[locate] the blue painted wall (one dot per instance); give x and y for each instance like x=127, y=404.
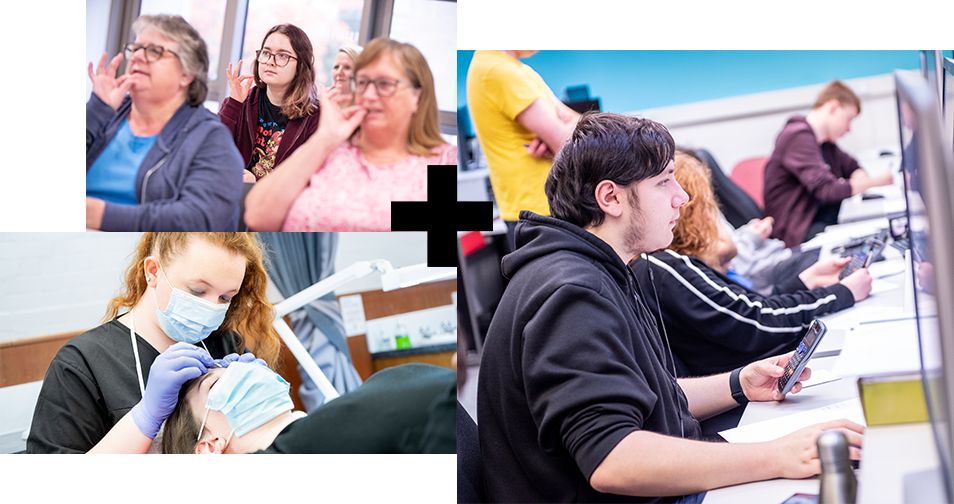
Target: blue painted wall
x=634, y=80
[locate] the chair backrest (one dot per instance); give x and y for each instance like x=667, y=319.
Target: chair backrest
x=470, y=476
x=738, y=207
x=749, y=175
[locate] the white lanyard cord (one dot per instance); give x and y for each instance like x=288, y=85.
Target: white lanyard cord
x=132, y=337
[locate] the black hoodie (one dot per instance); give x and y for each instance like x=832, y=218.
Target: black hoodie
x=572, y=364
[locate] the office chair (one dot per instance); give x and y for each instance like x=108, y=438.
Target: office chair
x=749, y=175
x=470, y=476
x=738, y=207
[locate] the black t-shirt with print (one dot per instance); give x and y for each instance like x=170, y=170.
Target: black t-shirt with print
x=271, y=127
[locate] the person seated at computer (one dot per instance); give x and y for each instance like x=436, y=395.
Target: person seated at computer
x=808, y=176
x=156, y=159
x=275, y=117
x=246, y=408
x=714, y=323
x=362, y=157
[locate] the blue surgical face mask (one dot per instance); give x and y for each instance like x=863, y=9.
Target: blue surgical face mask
x=249, y=395
x=187, y=318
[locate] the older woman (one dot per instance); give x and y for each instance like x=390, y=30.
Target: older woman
x=342, y=71
x=157, y=159
x=269, y=121
x=345, y=180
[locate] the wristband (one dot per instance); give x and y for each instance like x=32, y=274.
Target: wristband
x=735, y=386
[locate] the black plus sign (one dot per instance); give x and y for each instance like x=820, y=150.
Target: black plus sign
x=442, y=216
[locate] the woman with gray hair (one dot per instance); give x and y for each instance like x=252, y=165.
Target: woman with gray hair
x=156, y=159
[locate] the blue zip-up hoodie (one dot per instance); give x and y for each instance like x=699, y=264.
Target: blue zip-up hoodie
x=191, y=179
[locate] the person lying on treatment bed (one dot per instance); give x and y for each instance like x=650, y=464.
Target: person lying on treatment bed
x=246, y=408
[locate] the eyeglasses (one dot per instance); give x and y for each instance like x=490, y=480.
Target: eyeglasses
x=281, y=59
x=385, y=87
x=153, y=52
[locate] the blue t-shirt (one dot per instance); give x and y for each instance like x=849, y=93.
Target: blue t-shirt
x=113, y=175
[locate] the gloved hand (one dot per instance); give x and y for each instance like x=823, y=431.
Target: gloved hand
x=234, y=357
x=178, y=364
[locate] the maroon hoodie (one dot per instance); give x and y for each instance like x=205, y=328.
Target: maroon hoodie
x=797, y=179
x=241, y=118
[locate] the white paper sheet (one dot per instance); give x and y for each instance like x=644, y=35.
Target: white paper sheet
x=820, y=376
x=777, y=427
x=887, y=347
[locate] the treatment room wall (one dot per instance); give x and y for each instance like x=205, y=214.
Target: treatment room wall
x=59, y=282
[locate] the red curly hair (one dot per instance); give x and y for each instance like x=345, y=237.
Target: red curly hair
x=697, y=229
x=249, y=314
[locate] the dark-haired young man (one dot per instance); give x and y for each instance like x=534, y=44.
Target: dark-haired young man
x=576, y=397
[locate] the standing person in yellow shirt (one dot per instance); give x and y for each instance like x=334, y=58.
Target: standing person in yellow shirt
x=520, y=125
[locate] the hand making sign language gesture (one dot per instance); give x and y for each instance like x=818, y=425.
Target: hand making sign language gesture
x=239, y=86
x=106, y=86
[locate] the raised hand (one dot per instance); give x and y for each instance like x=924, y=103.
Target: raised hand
x=239, y=86
x=105, y=84
x=336, y=124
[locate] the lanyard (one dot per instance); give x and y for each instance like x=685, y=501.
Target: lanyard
x=132, y=337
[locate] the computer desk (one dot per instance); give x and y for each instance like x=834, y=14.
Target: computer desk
x=889, y=453
x=891, y=200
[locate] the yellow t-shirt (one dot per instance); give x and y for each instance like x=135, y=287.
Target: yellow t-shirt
x=499, y=87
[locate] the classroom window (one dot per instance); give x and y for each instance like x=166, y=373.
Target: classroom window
x=328, y=23
x=206, y=16
x=424, y=23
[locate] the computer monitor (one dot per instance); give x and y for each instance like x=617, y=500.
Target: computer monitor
x=931, y=69
x=466, y=151
x=947, y=100
x=928, y=171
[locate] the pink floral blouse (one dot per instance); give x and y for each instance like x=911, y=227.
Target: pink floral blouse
x=347, y=193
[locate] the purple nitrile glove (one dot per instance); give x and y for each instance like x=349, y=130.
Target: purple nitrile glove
x=234, y=357
x=178, y=364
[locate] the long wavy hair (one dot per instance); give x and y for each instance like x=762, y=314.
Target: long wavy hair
x=302, y=97
x=249, y=314
x=697, y=229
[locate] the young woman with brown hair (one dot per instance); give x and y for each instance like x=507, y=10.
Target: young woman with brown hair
x=275, y=117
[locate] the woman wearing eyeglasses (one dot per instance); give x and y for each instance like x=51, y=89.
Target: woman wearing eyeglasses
x=363, y=156
x=156, y=159
x=275, y=117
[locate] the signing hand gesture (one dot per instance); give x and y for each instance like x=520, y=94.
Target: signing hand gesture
x=239, y=86
x=336, y=124
x=105, y=84
x=760, y=379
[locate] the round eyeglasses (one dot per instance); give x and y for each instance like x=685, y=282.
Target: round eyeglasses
x=281, y=59
x=153, y=53
x=385, y=87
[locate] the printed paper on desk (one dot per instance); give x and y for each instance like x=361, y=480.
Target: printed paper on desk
x=878, y=286
x=886, y=268
x=850, y=319
x=873, y=349
x=820, y=376
x=777, y=427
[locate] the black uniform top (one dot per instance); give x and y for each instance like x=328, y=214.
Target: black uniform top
x=404, y=409
x=92, y=382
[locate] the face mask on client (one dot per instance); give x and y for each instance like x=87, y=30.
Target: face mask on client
x=187, y=318
x=249, y=395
